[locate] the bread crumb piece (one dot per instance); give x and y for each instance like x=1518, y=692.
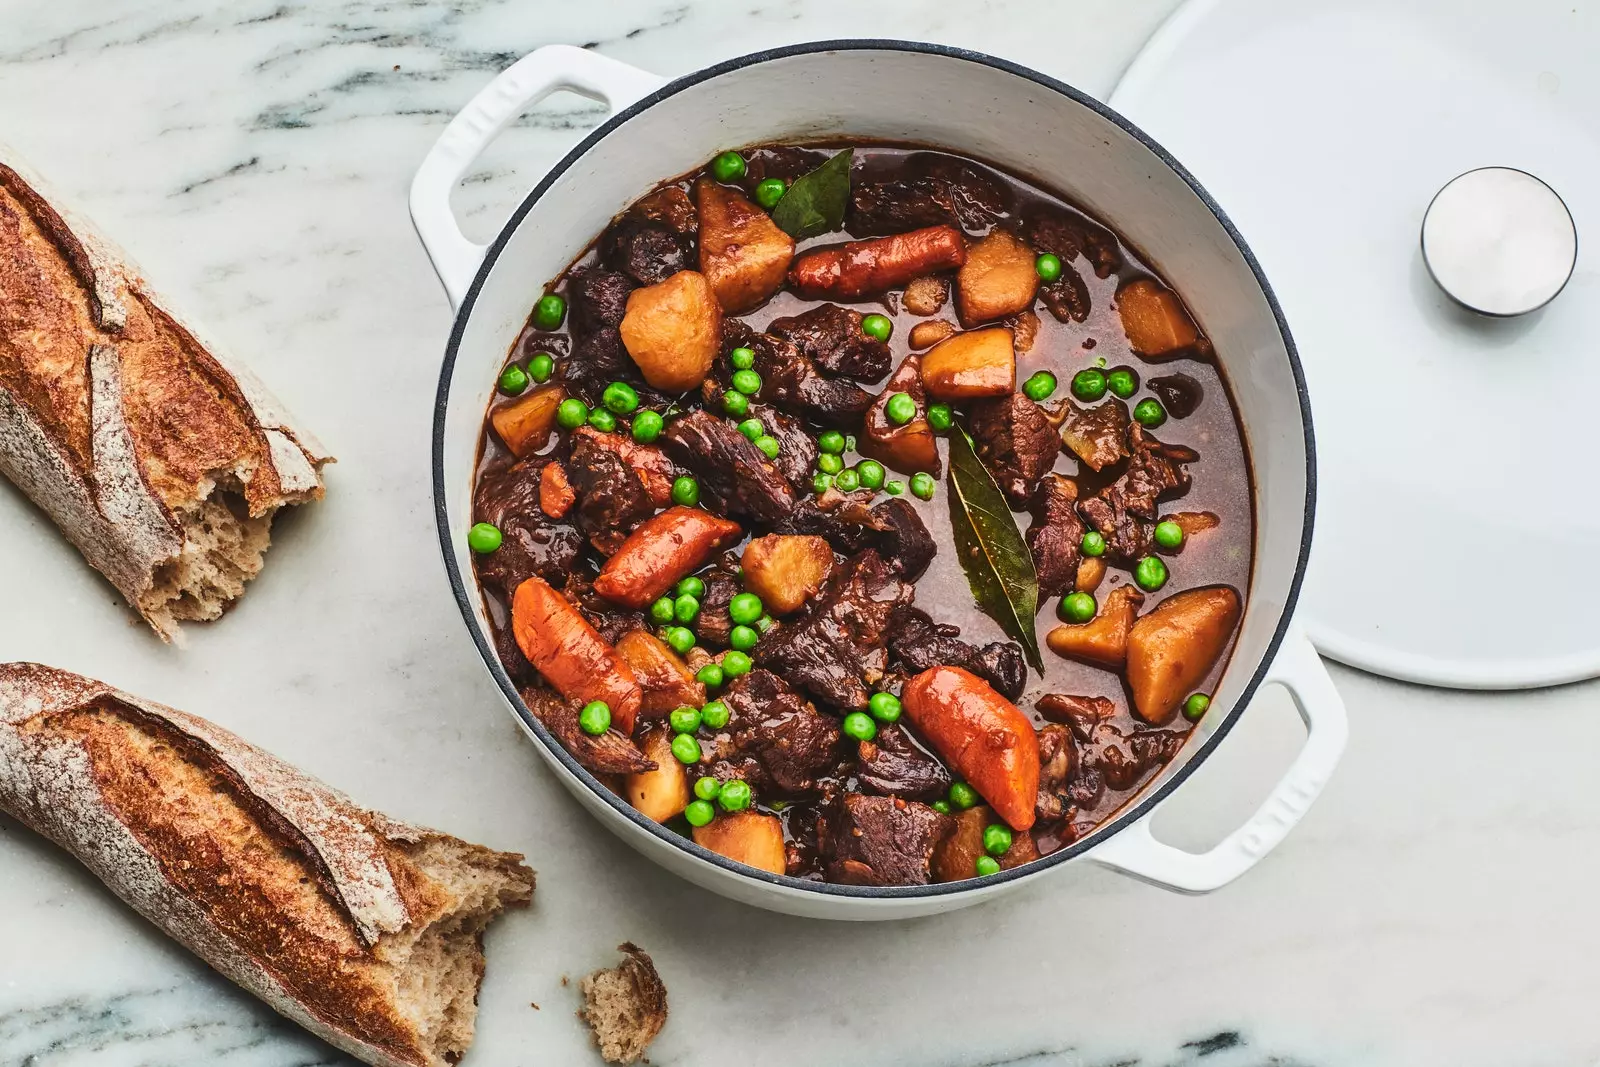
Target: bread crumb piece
x=625, y=1007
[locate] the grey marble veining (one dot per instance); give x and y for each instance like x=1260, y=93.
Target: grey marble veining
x=254, y=157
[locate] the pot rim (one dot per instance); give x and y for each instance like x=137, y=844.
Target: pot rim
x=463, y=594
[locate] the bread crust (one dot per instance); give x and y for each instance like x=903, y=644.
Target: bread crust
x=316, y=905
x=118, y=419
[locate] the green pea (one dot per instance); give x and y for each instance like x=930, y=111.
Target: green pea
x=661, y=611
x=684, y=720
x=986, y=865
x=885, y=707
x=572, y=413
x=1149, y=412
x=715, y=714
x=735, y=663
x=595, y=718
x=647, y=426
x=831, y=442
x=1168, y=534
x=1039, y=386
x=1094, y=543
x=541, y=366
x=996, y=839
x=941, y=418
x=847, y=480
x=870, y=472
x=602, y=420
x=1122, y=382
x=691, y=586
x=620, y=398
x=895, y=487
x=685, y=491
x=859, y=726
x=828, y=463
x=710, y=676
x=735, y=796
x=768, y=445
x=1077, y=607
x=735, y=403
x=747, y=382
x=769, y=191
x=728, y=167
x=686, y=748
x=742, y=639
x=707, y=788
x=878, y=327
x=1150, y=574
x=821, y=484
x=680, y=639
x=1089, y=384
x=513, y=380
x=900, y=409
x=549, y=311
x=745, y=608
x=484, y=538
x=699, y=812
x=742, y=358
x=963, y=796
x=752, y=429
x=922, y=485
x=685, y=608
x=1195, y=707
x=1047, y=267
x=941, y=806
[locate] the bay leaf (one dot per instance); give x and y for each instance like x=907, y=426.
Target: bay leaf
x=996, y=559
x=816, y=202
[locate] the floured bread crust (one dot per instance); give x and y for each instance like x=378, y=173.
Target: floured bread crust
x=120, y=422
x=364, y=930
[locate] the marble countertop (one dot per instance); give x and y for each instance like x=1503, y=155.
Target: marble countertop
x=1435, y=907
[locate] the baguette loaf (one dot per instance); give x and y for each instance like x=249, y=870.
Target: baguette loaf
x=163, y=465
x=366, y=931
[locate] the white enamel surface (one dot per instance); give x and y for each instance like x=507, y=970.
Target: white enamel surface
x=1454, y=516
x=994, y=115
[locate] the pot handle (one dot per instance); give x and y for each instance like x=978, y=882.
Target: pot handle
x=529, y=80
x=1135, y=850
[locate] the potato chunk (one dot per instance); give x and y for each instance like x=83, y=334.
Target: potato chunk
x=672, y=329
x=1157, y=325
x=743, y=253
x=969, y=365
x=956, y=857
x=997, y=280
x=1103, y=640
x=927, y=334
x=786, y=570
x=925, y=296
x=666, y=680
x=746, y=837
x=1091, y=572
x=662, y=793
x=1172, y=649
x=525, y=426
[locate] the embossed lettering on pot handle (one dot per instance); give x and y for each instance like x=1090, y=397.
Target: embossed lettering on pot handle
x=1135, y=850
x=530, y=79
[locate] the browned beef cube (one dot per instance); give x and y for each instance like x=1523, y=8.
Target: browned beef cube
x=882, y=840
x=713, y=625
x=920, y=645
x=1067, y=235
x=1068, y=296
x=735, y=476
x=1097, y=435
x=779, y=736
x=646, y=251
x=851, y=524
x=1055, y=538
x=797, y=449
x=612, y=497
x=531, y=546
x=830, y=336
x=894, y=764
x=1016, y=441
x=793, y=383
x=878, y=209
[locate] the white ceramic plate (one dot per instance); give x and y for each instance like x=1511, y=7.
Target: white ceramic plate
x=1457, y=515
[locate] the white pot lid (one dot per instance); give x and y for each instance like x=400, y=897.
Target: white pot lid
x=1458, y=517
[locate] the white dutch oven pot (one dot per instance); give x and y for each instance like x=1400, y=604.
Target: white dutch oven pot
x=972, y=104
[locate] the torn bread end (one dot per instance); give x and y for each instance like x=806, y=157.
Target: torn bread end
x=223, y=548
x=625, y=1006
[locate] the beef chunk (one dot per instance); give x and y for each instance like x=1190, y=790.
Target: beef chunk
x=850, y=525
x=1119, y=757
x=531, y=545
x=1128, y=537
x=777, y=735
x=596, y=299
x=902, y=538
x=1179, y=393
x=1068, y=235
x=835, y=651
x=672, y=208
x=935, y=190
x=647, y=461
x=1055, y=537
x=610, y=753
x=894, y=764
x=830, y=336
x=797, y=449
x=1125, y=511
x=920, y=645
x=981, y=197
x=1058, y=764
x=1068, y=296
x=780, y=161
x=713, y=625
x=734, y=474
x=612, y=497
x=646, y=251
x=1081, y=713
x=793, y=383
x=1016, y=441
x=881, y=840
x=1096, y=435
